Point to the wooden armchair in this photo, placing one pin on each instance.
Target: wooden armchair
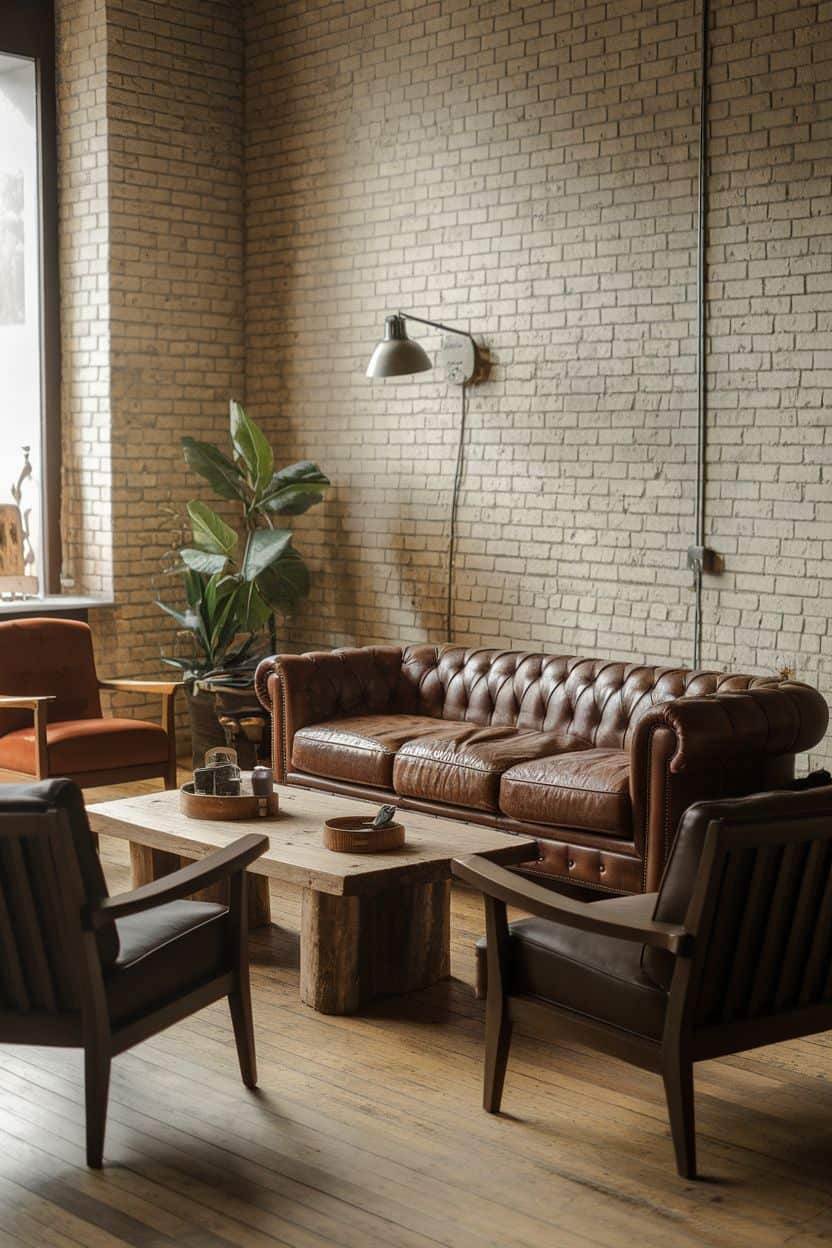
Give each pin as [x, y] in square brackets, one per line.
[50, 711]
[733, 952]
[80, 968]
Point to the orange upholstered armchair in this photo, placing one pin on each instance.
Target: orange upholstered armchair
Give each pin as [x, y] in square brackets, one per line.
[50, 711]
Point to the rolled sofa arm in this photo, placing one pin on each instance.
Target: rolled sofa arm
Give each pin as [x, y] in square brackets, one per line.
[766, 719]
[723, 744]
[302, 689]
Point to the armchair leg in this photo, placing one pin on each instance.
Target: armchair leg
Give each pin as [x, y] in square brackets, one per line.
[239, 999]
[171, 775]
[239, 1003]
[97, 1087]
[678, 1087]
[169, 725]
[497, 1044]
[497, 1024]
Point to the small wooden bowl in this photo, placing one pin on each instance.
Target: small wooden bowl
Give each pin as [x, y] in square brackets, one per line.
[207, 806]
[355, 834]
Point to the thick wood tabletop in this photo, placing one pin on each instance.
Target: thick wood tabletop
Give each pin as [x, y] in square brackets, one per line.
[296, 853]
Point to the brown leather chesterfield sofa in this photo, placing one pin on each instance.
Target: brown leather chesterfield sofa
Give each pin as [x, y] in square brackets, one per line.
[596, 758]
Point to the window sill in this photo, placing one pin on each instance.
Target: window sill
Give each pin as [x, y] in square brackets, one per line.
[73, 605]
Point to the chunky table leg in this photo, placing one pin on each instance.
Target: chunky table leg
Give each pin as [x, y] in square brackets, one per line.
[151, 864]
[353, 949]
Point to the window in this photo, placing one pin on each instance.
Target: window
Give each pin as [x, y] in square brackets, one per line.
[29, 344]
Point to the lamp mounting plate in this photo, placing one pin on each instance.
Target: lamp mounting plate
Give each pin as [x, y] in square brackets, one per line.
[458, 359]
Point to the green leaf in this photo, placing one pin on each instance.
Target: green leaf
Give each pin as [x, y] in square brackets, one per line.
[294, 489]
[184, 621]
[284, 583]
[251, 446]
[200, 561]
[221, 474]
[210, 532]
[264, 547]
[253, 611]
[194, 588]
[226, 624]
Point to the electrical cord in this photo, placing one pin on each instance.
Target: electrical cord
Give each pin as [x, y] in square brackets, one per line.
[458, 474]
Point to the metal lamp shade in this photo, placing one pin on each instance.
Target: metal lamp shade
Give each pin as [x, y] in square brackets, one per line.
[397, 355]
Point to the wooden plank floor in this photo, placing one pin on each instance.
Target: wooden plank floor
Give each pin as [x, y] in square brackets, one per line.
[368, 1132]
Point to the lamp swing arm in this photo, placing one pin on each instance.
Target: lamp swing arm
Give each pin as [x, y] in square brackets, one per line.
[449, 329]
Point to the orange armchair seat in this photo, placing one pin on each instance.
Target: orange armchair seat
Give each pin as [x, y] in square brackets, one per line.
[78, 745]
[51, 723]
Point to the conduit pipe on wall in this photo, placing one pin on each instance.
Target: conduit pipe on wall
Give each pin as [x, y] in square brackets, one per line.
[700, 559]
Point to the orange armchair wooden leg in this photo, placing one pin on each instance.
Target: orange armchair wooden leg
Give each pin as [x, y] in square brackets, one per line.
[169, 725]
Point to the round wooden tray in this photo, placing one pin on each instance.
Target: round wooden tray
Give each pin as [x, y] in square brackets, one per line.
[355, 834]
[207, 806]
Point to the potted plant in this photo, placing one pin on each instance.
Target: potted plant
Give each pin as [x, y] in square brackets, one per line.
[236, 578]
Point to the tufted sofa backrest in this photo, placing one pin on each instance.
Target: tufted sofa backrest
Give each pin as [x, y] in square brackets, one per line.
[596, 700]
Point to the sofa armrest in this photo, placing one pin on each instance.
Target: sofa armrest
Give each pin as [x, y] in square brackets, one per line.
[718, 745]
[767, 720]
[302, 689]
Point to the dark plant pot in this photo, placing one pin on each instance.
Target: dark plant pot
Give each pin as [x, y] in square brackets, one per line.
[228, 716]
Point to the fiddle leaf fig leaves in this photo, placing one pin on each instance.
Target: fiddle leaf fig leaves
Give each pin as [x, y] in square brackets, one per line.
[293, 490]
[210, 531]
[284, 583]
[250, 445]
[201, 561]
[221, 474]
[234, 581]
[264, 547]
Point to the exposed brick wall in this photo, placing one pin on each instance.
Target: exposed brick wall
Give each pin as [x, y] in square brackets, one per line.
[770, 501]
[529, 172]
[169, 244]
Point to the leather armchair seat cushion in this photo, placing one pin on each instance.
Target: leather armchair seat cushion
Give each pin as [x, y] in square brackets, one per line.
[78, 745]
[361, 748]
[589, 789]
[164, 953]
[597, 976]
[461, 764]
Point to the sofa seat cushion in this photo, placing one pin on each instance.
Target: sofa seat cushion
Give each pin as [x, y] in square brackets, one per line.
[76, 746]
[597, 976]
[360, 749]
[164, 953]
[589, 790]
[461, 764]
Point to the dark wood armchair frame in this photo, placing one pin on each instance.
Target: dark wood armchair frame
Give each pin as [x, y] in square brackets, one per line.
[165, 689]
[74, 924]
[714, 958]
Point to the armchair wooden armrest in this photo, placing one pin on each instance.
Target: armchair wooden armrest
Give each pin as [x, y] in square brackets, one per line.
[167, 688]
[182, 883]
[37, 703]
[495, 881]
[13, 702]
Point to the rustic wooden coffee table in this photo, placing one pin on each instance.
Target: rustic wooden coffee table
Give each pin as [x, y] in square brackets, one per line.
[371, 925]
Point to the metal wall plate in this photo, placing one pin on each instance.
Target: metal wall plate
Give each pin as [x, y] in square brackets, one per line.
[457, 359]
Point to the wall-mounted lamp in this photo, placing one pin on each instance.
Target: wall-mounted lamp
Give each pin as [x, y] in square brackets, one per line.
[463, 362]
[399, 356]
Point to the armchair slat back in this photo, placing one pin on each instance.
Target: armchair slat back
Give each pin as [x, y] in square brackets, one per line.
[38, 938]
[764, 935]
